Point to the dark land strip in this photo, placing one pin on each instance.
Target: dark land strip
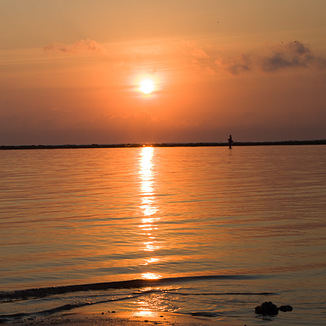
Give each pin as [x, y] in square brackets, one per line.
[199, 144]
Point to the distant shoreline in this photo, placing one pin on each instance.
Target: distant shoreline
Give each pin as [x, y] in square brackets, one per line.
[133, 145]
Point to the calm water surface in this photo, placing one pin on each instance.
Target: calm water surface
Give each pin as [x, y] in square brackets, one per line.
[251, 218]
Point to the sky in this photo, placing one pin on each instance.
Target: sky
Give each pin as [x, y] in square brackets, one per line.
[71, 71]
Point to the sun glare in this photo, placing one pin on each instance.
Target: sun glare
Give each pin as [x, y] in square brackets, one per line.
[151, 276]
[146, 86]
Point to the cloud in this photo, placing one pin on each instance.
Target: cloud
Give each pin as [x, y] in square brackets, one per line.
[199, 59]
[290, 55]
[287, 56]
[86, 46]
[235, 66]
[199, 53]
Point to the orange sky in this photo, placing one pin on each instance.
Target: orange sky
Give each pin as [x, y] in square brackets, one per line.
[70, 71]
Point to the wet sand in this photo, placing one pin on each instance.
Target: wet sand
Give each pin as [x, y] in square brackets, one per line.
[123, 319]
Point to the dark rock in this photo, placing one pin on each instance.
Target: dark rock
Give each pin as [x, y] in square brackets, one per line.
[285, 308]
[267, 308]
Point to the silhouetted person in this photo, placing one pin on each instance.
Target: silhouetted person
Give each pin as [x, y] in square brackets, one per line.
[230, 140]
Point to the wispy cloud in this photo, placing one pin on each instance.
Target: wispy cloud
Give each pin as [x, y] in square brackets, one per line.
[199, 59]
[86, 46]
[236, 66]
[289, 55]
[286, 56]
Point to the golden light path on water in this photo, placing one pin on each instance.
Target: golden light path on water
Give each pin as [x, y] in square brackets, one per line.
[147, 225]
[148, 207]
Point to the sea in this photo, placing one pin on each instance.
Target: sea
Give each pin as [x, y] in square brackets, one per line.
[203, 231]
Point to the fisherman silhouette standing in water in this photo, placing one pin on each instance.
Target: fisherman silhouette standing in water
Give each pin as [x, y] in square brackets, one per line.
[230, 140]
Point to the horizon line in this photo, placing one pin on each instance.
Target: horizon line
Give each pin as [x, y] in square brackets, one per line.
[166, 144]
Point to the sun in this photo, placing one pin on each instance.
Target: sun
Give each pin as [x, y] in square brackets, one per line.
[147, 86]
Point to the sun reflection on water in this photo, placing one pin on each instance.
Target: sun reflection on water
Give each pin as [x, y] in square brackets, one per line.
[149, 209]
[151, 276]
[151, 260]
[146, 173]
[144, 313]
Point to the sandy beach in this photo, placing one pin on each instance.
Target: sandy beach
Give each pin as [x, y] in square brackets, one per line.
[117, 315]
[123, 319]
